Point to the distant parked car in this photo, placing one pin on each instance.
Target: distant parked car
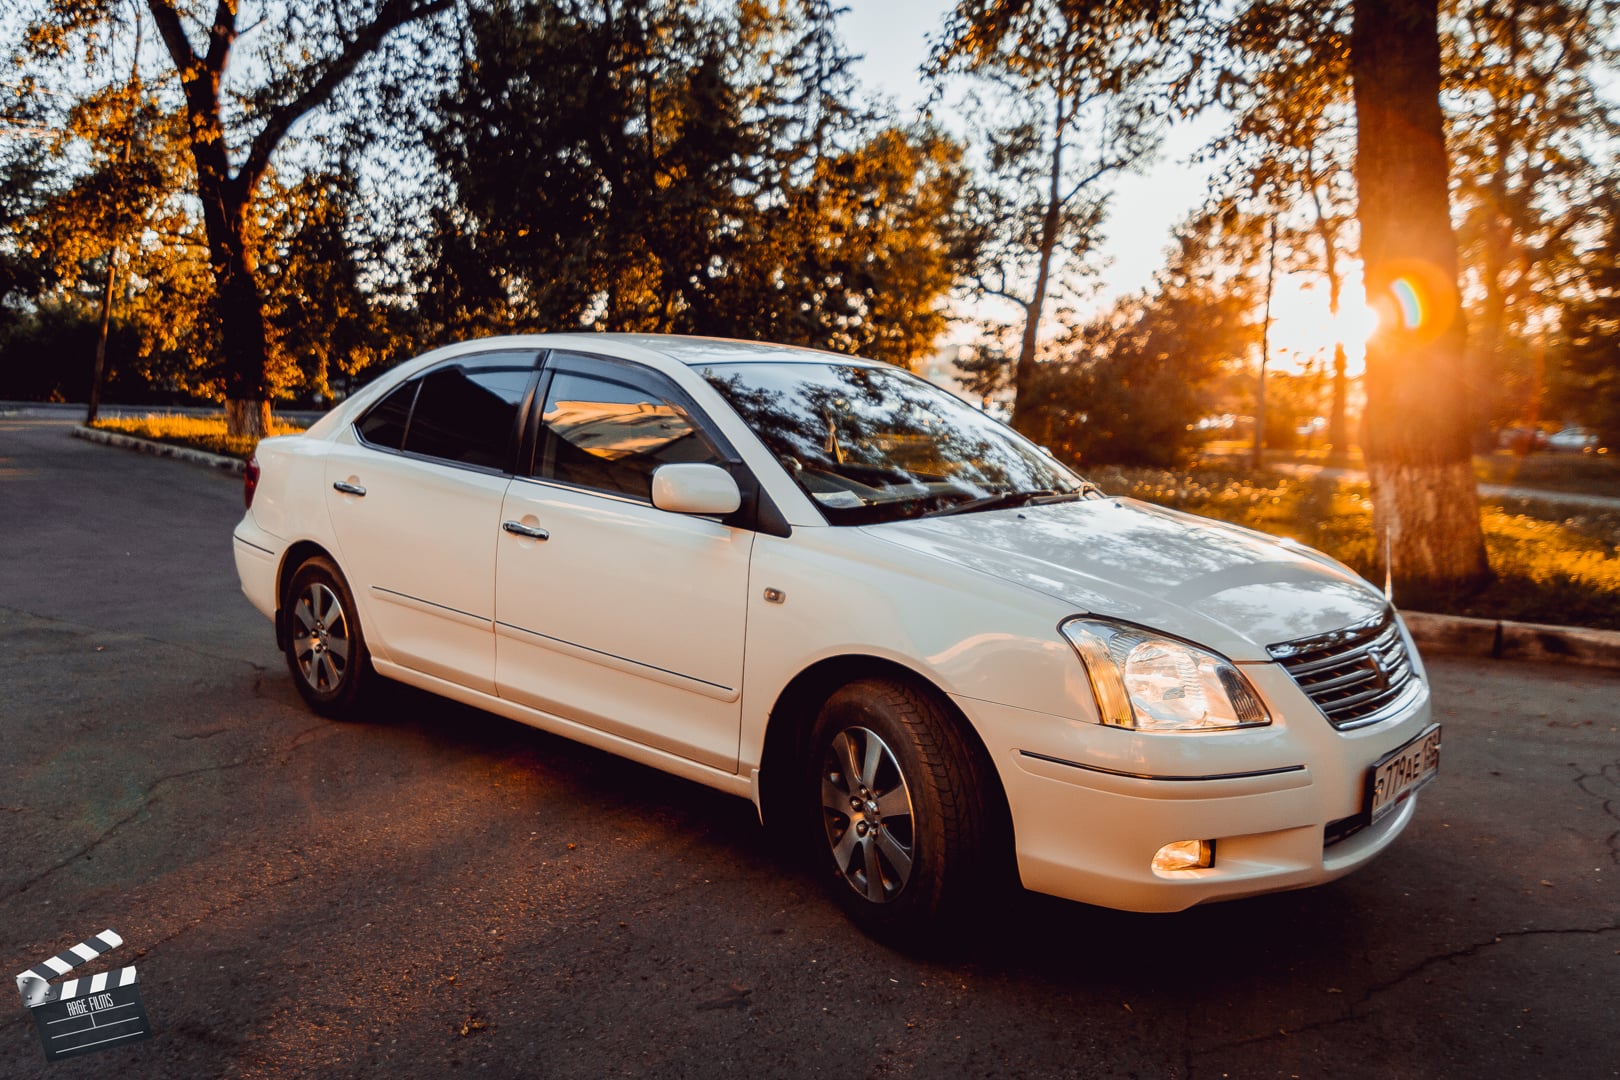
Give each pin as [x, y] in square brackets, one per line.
[1572, 440]
[1523, 439]
[828, 586]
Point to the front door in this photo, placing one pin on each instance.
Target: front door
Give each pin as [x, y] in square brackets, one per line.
[609, 611]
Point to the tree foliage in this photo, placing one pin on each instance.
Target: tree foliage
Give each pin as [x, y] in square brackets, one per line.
[241, 95]
[651, 165]
[1126, 386]
[1587, 383]
[1532, 146]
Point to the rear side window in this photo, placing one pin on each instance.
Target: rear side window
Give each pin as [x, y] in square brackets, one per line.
[610, 430]
[464, 412]
[385, 424]
[467, 415]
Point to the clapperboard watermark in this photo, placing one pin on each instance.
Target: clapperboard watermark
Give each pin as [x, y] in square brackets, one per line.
[86, 1014]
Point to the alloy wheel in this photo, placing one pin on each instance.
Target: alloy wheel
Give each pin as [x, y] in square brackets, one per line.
[867, 811]
[321, 637]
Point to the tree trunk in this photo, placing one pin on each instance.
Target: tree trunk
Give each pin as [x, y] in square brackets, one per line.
[240, 308]
[99, 370]
[1338, 432]
[1051, 220]
[1425, 505]
[1338, 427]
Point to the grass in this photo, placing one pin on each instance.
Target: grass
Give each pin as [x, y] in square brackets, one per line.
[1552, 565]
[198, 432]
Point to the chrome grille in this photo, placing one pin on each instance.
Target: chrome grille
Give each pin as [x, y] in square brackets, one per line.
[1351, 674]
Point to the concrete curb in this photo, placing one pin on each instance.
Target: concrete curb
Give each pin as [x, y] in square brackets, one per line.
[1498, 639]
[1501, 639]
[157, 449]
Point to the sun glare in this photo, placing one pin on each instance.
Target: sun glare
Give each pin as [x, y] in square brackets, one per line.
[1303, 332]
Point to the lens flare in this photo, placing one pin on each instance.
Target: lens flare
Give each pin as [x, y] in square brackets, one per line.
[1418, 303]
[1408, 302]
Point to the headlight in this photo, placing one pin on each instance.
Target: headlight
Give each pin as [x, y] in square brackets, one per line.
[1152, 683]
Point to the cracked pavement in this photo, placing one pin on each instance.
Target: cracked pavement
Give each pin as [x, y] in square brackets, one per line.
[450, 891]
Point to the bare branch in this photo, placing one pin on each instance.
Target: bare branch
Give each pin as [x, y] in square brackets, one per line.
[394, 14]
[174, 37]
[221, 36]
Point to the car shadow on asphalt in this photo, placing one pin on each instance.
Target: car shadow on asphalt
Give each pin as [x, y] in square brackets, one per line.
[1027, 935]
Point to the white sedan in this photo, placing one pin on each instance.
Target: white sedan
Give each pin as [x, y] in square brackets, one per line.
[941, 659]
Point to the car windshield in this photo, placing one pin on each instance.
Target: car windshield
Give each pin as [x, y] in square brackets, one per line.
[873, 444]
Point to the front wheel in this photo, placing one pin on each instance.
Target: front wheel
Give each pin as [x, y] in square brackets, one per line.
[326, 651]
[904, 828]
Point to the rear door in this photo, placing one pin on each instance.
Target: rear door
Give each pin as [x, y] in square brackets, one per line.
[414, 492]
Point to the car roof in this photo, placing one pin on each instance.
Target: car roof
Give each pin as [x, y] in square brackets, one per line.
[659, 350]
[693, 351]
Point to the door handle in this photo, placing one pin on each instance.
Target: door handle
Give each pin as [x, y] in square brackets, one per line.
[348, 488]
[532, 532]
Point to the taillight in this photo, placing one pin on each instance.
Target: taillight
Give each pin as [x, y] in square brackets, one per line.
[250, 481]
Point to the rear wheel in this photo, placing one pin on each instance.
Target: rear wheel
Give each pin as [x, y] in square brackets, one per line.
[326, 651]
[903, 827]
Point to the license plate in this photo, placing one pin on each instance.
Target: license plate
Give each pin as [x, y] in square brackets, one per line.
[1402, 772]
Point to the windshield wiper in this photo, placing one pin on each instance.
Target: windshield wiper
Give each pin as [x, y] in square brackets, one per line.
[1006, 500]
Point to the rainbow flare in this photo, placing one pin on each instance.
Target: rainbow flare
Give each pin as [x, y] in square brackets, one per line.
[1408, 301]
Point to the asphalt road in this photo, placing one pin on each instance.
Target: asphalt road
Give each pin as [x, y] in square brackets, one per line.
[452, 891]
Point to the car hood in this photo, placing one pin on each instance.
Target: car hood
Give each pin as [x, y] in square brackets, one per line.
[1225, 587]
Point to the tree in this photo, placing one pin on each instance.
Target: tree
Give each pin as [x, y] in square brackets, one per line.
[104, 233]
[325, 327]
[598, 158]
[1126, 386]
[1074, 76]
[860, 253]
[27, 168]
[854, 241]
[1588, 379]
[654, 165]
[1425, 508]
[1528, 134]
[300, 58]
[1293, 130]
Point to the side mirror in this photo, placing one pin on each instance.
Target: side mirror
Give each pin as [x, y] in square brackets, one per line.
[695, 489]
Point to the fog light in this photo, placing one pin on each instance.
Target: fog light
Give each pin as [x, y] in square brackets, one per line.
[1185, 855]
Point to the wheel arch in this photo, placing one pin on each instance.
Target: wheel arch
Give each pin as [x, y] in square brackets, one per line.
[294, 557]
[787, 732]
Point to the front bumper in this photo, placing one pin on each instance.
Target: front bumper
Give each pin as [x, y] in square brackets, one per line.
[1091, 806]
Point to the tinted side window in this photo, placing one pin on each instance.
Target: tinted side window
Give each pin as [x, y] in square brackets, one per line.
[467, 414]
[610, 435]
[384, 424]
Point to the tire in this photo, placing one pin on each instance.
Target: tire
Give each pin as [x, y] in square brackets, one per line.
[904, 829]
[325, 648]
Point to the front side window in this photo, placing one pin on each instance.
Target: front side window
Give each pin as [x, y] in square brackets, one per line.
[873, 443]
[608, 427]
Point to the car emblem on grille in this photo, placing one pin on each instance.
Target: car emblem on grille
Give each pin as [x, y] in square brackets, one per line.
[1380, 673]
